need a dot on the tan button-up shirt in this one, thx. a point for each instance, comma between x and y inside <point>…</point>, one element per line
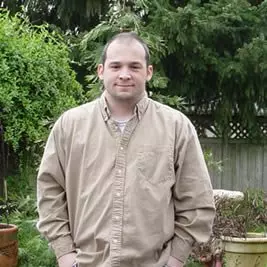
<point>127,199</point>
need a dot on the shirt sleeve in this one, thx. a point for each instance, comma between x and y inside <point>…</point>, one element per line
<point>192,193</point>
<point>53,221</point>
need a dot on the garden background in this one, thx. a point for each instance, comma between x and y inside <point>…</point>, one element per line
<point>210,60</point>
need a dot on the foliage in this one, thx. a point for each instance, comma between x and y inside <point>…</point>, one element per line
<point>22,211</point>
<point>73,14</point>
<point>16,187</point>
<point>67,14</point>
<point>6,207</point>
<point>36,82</point>
<point>193,263</point>
<point>33,249</point>
<point>211,53</point>
<point>237,217</point>
<point>211,163</point>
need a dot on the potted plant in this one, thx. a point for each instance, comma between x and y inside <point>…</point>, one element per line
<point>239,237</point>
<point>8,234</point>
<point>241,225</point>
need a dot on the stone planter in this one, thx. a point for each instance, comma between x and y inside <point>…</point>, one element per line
<point>8,245</point>
<point>245,252</point>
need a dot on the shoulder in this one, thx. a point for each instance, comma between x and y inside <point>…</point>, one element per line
<point>174,119</point>
<point>76,116</point>
<point>173,115</point>
<point>81,112</point>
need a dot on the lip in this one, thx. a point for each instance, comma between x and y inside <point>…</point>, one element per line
<point>124,85</point>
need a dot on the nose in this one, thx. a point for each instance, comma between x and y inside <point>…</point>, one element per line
<point>124,75</point>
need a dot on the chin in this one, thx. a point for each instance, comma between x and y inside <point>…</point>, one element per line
<point>125,96</point>
<point>130,95</point>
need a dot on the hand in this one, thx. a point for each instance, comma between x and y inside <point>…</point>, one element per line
<point>173,262</point>
<point>67,260</point>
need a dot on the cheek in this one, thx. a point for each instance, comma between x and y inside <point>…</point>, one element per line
<point>109,80</point>
<point>109,77</point>
<point>113,75</point>
<point>141,79</point>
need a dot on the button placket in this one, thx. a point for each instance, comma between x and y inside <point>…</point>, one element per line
<point>117,212</point>
<point>118,195</point>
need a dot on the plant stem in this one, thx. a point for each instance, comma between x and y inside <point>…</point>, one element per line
<point>5,190</point>
<point>6,201</point>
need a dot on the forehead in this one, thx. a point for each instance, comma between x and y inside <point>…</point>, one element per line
<point>126,50</point>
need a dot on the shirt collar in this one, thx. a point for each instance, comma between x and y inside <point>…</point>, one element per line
<point>140,107</point>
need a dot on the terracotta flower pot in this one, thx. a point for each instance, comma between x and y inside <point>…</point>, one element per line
<point>8,245</point>
<point>246,252</point>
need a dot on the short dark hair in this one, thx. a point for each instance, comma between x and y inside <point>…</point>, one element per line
<point>125,36</point>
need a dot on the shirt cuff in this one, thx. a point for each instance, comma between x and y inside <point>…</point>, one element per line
<point>181,248</point>
<point>62,246</point>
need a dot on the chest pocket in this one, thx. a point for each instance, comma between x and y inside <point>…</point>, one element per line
<point>155,164</point>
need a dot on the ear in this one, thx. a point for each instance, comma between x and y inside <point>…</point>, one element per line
<point>149,73</point>
<point>100,71</point>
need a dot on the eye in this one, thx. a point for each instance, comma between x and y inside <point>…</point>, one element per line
<point>114,67</point>
<point>135,67</point>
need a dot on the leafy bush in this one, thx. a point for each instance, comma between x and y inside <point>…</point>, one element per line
<point>33,249</point>
<point>36,82</point>
<point>235,218</point>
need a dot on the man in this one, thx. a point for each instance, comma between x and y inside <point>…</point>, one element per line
<point>123,181</point>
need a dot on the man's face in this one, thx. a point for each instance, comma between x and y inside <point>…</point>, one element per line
<point>125,71</point>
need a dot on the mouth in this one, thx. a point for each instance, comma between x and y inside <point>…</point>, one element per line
<point>124,85</point>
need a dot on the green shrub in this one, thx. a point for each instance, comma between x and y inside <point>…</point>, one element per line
<point>193,263</point>
<point>36,82</point>
<point>33,249</point>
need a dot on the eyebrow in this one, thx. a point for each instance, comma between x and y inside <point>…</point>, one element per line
<point>130,63</point>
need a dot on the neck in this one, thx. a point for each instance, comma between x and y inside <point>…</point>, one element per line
<point>121,109</point>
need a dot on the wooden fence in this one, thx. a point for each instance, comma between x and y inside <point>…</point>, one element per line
<point>243,164</point>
